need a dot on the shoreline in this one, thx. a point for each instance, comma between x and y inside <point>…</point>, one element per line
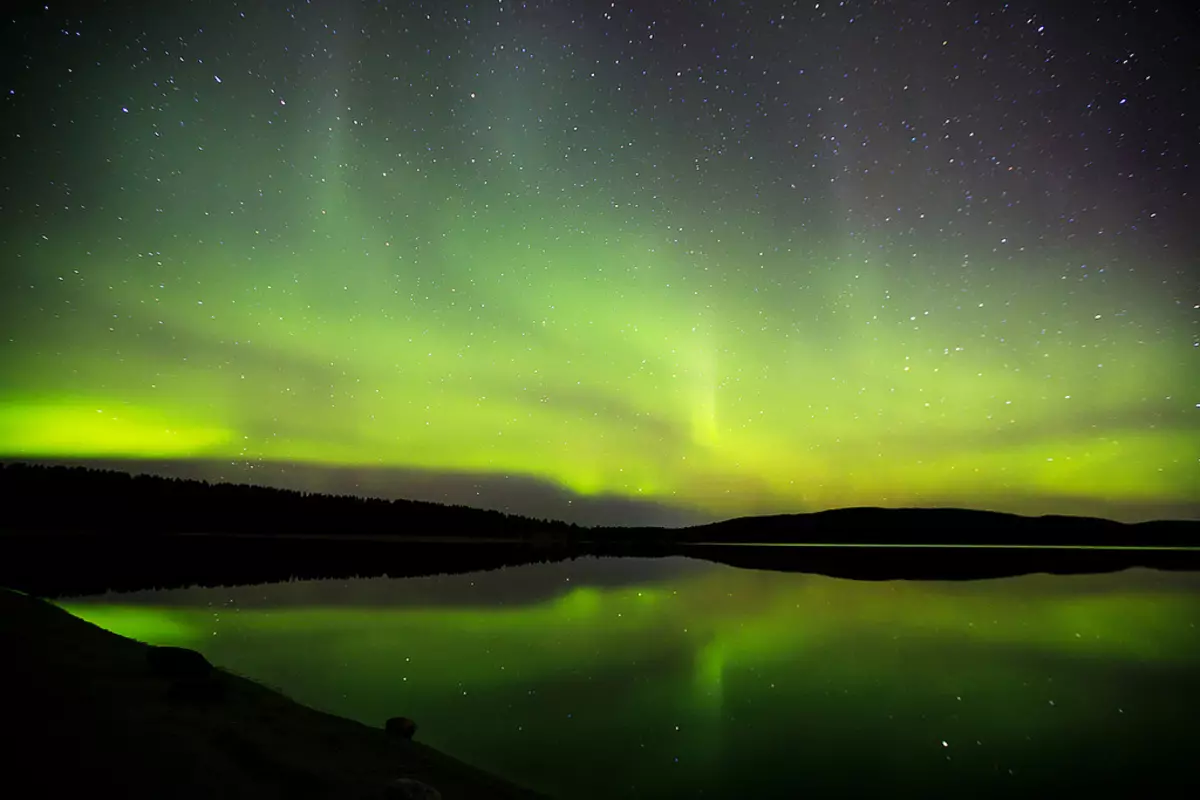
<point>87,713</point>
<point>99,564</point>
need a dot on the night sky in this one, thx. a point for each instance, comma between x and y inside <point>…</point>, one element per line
<point>634,260</point>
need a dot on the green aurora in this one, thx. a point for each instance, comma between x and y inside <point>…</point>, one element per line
<point>466,248</point>
<point>731,674</point>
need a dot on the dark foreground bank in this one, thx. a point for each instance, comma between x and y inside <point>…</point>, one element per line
<point>89,715</point>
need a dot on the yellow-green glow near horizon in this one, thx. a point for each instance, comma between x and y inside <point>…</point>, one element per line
<point>465,248</point>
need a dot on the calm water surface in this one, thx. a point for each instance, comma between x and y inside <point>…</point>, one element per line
<point>676,678</point>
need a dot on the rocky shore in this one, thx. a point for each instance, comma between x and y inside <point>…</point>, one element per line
<point>90,713</point>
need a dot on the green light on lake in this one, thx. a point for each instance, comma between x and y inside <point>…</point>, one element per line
<point>626,678</point>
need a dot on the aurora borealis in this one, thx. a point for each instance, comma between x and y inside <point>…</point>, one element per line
<point>722,257</point>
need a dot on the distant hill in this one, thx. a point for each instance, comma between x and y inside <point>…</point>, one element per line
<point>64,499</point>
<point>943,526</point>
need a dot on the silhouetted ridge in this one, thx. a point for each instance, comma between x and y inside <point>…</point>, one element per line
<point>63,499</point>
<point>944,526</point>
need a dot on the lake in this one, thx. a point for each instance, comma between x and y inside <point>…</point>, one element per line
<point>676,677</point>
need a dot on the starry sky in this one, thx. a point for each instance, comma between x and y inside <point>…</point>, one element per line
<point>634,261</point>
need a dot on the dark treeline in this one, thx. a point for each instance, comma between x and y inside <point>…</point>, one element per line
<point>63,499</point>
